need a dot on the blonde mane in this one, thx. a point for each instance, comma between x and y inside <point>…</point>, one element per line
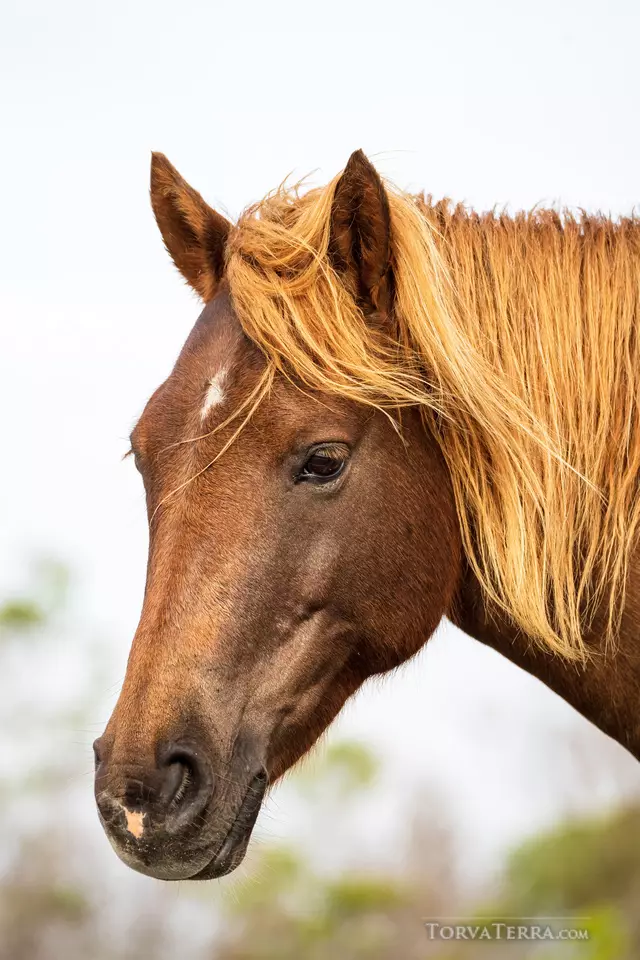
<point>516,336</point>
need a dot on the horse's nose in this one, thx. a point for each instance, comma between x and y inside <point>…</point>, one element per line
<point>168,796</point>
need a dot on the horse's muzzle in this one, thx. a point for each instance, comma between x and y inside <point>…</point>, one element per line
<point>174,819</point>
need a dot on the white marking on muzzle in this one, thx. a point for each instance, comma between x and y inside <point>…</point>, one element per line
<point>135,820</point>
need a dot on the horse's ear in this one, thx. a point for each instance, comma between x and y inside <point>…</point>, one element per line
<point>359,244</point>
<point>193,233</point>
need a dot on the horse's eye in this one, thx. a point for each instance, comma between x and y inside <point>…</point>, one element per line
<point>324,464</point>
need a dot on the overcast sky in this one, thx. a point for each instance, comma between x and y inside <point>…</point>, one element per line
<point>484,102</point>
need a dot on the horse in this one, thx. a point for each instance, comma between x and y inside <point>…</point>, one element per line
<point>390,410</point>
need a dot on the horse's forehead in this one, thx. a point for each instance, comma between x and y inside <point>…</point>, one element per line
<point>216,339</point>
<point>216,370</point>
<point>214,359</point>
<point>211,366</point>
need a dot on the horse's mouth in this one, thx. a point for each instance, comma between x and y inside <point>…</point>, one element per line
<point>234,846</point>
<point>165,858</point>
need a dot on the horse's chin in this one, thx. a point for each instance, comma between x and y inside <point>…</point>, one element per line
<point>176,870</point>
<point>220,866</point>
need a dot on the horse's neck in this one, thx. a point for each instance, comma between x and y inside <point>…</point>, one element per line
<point>606,690</point>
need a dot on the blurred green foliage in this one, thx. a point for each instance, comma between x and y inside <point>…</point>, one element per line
<point>586,874</point>
<point>18,614</point>
<point>589,869</point>
<point>337,770</point>
<point>579,864</point>
<point>45,594</point>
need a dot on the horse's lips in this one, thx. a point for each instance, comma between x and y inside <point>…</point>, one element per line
<point>237,838</point>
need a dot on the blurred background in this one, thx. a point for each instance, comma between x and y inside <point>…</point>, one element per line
<point>459,786</point>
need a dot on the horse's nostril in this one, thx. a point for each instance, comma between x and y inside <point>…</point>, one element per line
<point>187,780</point>
<point>96,753</point>
<point>144,799</point>
<point>177,778</point>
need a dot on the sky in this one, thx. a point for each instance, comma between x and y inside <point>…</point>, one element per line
<point>495,103</point>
